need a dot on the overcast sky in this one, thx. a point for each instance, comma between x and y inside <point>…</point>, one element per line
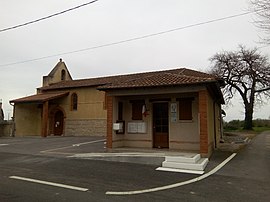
<point>109,21</point>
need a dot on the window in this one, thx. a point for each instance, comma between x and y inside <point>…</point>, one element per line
<point>63,75</point>
<point>74,102</point>
<point>185,108</point>
<point>137,106</point>
<point>120,110</point>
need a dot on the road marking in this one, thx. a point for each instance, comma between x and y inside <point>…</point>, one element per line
<point>3,145</point>
<point>217,168</point>
<point>79,144</point>
<point>51,150</point>
<point>83,143</point>
<point>177,170</point>
<point>48,183</point>
<point>126,154</point>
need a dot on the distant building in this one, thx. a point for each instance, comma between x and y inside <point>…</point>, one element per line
<point>174,109</point>
<point>1,112</point>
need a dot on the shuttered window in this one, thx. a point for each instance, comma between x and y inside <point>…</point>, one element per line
<point>137,109</point>
<point>185,108</point>
<point>120,110</point>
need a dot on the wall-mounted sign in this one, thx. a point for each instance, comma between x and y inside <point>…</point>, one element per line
<point>173,112</point>
<point>173,107</point>
<point>137,127</point>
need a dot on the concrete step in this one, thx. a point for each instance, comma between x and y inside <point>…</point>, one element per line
<point>176,170</point>
<point>198,165</point>
<point>183,159</point>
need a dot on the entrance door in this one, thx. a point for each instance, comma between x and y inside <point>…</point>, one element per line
<point>160,125</point>
<point>58,123</point>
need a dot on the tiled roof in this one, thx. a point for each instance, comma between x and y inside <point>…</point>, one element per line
<point>164,78</point>
<point>39,98</point>
<point>149,79</point>
<point>77,83</point>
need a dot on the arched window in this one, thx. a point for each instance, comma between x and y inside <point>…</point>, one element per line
<point>63,75</point>
<point>74,102</point>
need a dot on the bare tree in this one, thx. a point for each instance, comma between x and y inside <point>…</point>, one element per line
<point>247,72</point>
<point>262,10</point>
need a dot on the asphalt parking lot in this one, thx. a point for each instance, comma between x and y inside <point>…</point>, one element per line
<point>90,148</point>
<point>244,178</point>
<point>52,145</point>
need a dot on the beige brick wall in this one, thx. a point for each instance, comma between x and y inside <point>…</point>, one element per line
<point>27,120</point>
<point>85,127</point>
<point>6,128</point>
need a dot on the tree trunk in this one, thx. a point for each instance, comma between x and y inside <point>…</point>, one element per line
<point>248,117</point>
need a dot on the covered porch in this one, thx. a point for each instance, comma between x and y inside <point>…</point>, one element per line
<point>161,118</point>
<point>39,114</point>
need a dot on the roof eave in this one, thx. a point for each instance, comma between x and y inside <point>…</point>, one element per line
<point>66,87</point>
<point>104,88</point>
<point>39,101</point>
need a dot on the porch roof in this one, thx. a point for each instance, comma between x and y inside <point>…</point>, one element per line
<point>40,98</point>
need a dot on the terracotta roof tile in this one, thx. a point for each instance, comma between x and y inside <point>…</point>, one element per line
<point>39,98</point>
<point>148,79</point>
<point>164,78</point>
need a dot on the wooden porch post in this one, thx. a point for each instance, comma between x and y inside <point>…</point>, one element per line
<point>45,113</point>
<point>203,108</point>
<point>109,121</point>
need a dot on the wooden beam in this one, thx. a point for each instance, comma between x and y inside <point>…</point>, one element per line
<point>45,114</point>
<point>109,121</point>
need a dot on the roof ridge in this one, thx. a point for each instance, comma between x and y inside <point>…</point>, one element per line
<point>131,74</point>
<point>148,74</point>
<point>125,79</point>
<point>191,76</point>
<point>183,69</point>
<point>198,72</point>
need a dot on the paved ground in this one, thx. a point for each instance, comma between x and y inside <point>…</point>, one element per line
<point>252,162</point>
<point>245,178</point>
<point>86,146</point>
<point>52,145</point>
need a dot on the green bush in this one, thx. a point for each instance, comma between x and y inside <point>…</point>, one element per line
<point>261,123</point>
<point>234,125</point>
<point>238,124</point>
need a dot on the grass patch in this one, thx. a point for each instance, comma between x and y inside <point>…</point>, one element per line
<point>259,125</point>
<point>255,130</point>
<point>261,129</point>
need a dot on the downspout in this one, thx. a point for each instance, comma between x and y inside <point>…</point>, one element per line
<point>215,128</point>
<point>221,122</point>
<point>13,121</point>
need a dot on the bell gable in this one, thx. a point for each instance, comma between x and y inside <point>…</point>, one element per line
<point>58,74</point>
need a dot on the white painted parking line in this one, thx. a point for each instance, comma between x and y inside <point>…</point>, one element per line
<point>199,172</point>
<point>91,142</point>
<point>74,145</point>
<point>3,145</point>
<point>122,154</point>
<point>176,184</point>
<point>48,183</point>
<point>55,149</point>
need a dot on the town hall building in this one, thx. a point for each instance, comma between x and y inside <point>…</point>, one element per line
<point>178,109</point>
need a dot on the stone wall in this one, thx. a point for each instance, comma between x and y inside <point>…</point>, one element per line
<point>6,128</point>
<point>85,127</point>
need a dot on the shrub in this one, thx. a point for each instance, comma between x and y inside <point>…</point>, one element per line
<point>238,124</point>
